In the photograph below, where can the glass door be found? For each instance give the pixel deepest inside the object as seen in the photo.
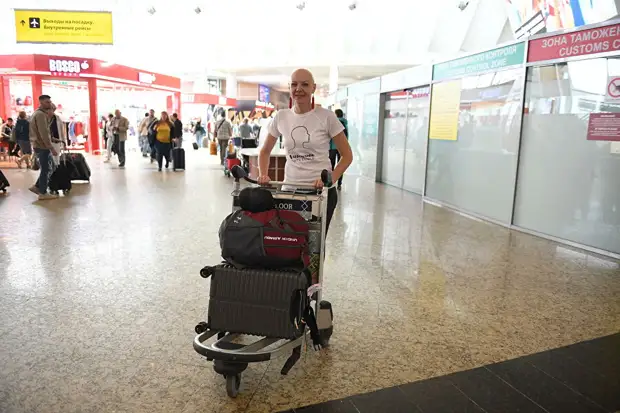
(394, 132)
(418, 107)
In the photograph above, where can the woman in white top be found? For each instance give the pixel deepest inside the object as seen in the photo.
(306, 132)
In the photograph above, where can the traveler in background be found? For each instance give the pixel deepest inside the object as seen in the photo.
(143, 134)
(5, 136)
(222, 133)
(264, 123)
(110, 138)
(334, 155)
(245, 129)
(42, 145)
(255, 128)
(119, 128)
(163, 130)
(178, 131)
(58, 133)
(21, 137)
(199, 132)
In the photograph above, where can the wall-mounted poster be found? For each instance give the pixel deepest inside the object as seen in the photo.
(445, 107)
(263, 93)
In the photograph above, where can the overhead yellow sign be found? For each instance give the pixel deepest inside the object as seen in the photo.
(445, 106)
(63, 26)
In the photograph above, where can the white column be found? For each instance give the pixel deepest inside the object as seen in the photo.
(333, 79)
(231, 86)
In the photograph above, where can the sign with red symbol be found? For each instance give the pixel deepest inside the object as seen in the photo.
(613, 88)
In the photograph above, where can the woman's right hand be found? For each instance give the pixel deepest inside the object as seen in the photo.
(263, 180)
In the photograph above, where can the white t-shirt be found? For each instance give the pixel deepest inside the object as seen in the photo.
(306, 142)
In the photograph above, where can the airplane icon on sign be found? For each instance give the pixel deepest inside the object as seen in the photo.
(35, 22)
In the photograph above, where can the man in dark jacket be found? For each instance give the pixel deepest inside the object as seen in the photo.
(21, 136)
(334, 155)
(178, 130)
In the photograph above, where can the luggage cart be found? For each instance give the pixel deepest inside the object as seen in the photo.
(230, 358)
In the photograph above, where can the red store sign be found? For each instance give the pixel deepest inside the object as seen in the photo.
(584, 42)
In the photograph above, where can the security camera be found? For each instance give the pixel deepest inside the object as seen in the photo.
(152, 11)
(353, 6)
(197, 10)
(462, 4)
(300, 6)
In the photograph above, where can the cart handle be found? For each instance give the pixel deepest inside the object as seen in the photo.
(239, 173)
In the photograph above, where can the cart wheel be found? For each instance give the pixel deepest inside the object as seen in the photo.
(67, 191)
(4, 190)
(201, 327)
(233, 382)
(174, 169)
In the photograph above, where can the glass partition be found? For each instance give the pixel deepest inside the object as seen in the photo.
(474, 168)
(363, 118)
(569, 173)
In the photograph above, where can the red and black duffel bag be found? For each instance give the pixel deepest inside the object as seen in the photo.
(270, 239)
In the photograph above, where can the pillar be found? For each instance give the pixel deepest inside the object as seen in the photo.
(333, 79)
(5, 97)
(37, 90)
(177, 104)
(93, 144)
(231, 86)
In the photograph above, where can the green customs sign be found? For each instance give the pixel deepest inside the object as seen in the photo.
(495, 59)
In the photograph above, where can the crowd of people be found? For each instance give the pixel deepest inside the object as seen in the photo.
(156, 136)
(37, 142)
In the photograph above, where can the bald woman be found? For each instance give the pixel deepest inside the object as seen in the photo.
(306, 133)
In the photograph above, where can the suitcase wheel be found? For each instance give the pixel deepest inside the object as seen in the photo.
(201, 327)
(233, 382)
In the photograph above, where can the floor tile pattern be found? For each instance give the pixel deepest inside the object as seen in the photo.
(100, 293)
(568, 379)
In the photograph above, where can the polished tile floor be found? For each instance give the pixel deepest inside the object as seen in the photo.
(100, 293)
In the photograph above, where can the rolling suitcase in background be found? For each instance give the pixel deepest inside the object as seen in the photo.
(178, 159)
(61, 177)
(195, 146)
(4, 183)
(82, 170)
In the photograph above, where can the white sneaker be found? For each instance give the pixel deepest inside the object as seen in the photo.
(44, 197)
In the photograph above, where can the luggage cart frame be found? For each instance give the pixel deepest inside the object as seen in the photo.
(230, 358)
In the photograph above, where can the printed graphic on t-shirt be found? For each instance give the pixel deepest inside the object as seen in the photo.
(300, 137)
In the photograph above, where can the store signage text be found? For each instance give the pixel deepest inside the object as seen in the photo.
(585, 42)
(63, 67)
(492, 60)
(267, 105)
(146, 78)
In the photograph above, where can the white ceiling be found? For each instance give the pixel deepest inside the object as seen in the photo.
(263, 41)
